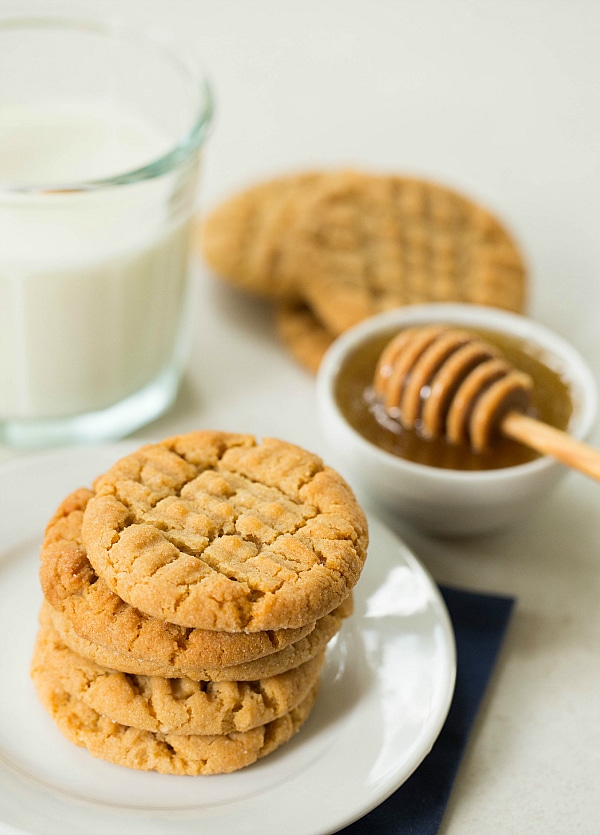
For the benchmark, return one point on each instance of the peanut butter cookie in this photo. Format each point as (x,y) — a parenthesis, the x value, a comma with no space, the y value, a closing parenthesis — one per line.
(301,332)
(340,246)
(269,665)
(218,531)
(176,705)
(98,615)
(242,238)
(167,753)
(367,243)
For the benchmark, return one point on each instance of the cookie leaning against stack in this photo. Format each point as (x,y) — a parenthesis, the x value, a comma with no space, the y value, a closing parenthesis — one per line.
(333,248)
(189,600)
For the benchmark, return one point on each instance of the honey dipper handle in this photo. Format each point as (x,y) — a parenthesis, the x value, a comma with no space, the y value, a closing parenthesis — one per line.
(550,441)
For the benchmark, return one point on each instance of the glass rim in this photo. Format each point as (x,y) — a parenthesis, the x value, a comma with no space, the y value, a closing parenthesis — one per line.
(183,148)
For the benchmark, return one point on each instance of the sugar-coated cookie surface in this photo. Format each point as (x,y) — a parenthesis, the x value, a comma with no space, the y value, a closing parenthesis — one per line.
(178,705)
(219,531)
(190,754)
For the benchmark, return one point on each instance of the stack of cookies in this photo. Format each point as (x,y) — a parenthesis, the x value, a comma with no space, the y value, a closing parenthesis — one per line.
(332,248)
(189,598)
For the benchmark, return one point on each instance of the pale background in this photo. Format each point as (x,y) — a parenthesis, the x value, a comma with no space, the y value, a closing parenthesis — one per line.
(502,101)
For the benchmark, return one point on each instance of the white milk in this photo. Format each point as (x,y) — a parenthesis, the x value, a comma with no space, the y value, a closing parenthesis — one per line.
(91,284)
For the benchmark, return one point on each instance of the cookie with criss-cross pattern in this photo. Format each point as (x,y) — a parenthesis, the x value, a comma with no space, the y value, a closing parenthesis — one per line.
(193,643)
(167,753)
(338,246)
(218,531)
(99,616)
(366,243)
(269,665)
(172,705)
(241,239)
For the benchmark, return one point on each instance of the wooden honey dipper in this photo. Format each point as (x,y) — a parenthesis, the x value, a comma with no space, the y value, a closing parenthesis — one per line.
(443,381)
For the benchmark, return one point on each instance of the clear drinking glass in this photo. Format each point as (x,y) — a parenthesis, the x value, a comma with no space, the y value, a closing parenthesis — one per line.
(101,131)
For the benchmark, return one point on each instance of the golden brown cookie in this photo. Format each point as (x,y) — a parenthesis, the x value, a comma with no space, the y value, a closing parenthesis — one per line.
(366,243)
(241,239)
(219,531)
(338,246)
(178,705)
(97,614)
(301,332)
(269,665)
(167,753)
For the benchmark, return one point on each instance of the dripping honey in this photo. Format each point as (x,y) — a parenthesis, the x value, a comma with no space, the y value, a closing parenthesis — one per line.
(551,403)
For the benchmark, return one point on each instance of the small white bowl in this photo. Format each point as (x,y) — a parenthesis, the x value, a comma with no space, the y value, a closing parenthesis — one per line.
(442,501)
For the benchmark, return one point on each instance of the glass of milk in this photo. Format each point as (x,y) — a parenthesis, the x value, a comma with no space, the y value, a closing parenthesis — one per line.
(101,131)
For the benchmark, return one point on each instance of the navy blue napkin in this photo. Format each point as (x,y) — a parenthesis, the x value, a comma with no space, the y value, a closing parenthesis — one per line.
(417,807)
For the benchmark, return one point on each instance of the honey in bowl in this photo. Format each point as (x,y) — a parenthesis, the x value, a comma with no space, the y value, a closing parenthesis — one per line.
(551,403)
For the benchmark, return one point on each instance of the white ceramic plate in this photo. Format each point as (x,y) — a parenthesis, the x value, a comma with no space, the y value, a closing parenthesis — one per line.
(387,686)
